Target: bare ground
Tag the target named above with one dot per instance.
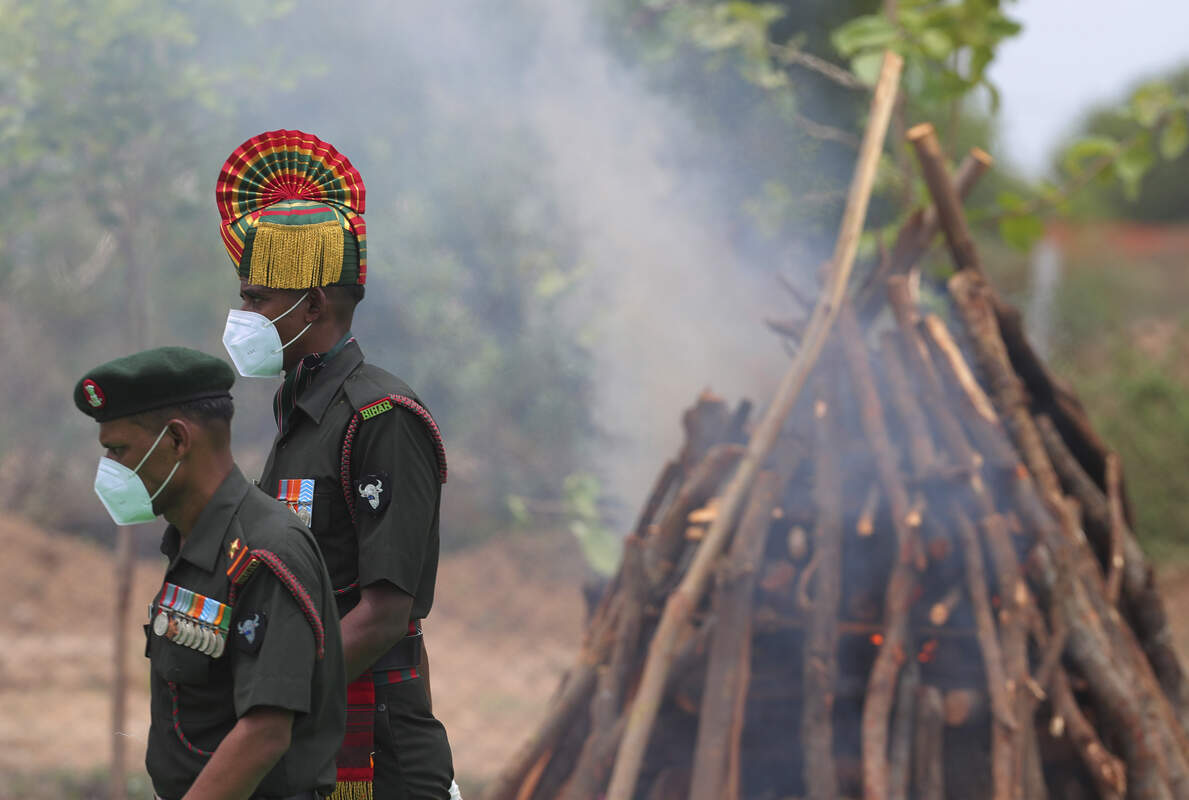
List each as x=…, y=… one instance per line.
x=506, y=622
x=505, y=626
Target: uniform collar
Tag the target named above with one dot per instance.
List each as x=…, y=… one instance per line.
x=317, y=396
x=205, y=542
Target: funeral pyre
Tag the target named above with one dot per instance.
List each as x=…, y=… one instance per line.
x=930, y=589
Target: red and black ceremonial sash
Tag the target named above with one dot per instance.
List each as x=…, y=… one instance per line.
x=354, y=760
x=356, y=767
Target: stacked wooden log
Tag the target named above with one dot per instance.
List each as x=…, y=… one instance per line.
x=930, y=589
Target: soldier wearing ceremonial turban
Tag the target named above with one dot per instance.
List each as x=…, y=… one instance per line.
x=358, y=457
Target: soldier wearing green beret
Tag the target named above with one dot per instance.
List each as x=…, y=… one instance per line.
x=247, y=673
x=357, y=454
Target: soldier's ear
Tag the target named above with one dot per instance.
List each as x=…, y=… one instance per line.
x=180, y=434
x=318, y=305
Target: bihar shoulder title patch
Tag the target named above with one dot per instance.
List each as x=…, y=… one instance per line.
x=375, y=409
x=249, y=631
x=374, y=492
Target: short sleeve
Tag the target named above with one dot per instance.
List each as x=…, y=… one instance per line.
x=394, y=470
x=272, y=639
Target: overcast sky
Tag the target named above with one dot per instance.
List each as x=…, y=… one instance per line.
x=1074, y=53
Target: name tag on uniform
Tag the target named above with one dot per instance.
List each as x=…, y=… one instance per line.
x=298, y=494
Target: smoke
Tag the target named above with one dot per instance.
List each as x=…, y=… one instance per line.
x=666, y=304
x=679, y=311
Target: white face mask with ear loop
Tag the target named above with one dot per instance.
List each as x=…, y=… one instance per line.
x=253, y=343
x=123, y=493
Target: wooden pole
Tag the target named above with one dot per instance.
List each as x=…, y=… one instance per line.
x=916, y=235
x=125, y=568
x=928, y=746
x=949, y=206
x=730, y=645
x=820, y=651
x=683, y=600
x=881, y=683
x=1141, y=599
x=1003, y=721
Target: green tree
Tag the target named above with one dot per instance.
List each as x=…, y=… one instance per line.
x=1153, y=128
x=115, y=117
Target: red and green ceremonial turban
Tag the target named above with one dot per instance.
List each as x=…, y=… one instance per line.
x=291, y=208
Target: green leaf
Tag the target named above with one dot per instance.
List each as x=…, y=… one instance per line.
x=1149, y=102
x=757, y=13
x=980, y=57
x=1133, y=163
x=936, y=44
x=1174, y=137
x=1087, y=148
x=863, y=33
x=600, y=546
x=867, y=66
x=1021, y=232
x=517, y=509
x=1012, y=202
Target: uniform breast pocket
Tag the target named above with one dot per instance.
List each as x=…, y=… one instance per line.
x=335, y=534
x=179, y=664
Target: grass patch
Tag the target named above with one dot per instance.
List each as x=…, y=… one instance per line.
x=1122, y=343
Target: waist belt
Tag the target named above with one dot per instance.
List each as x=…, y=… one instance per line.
x=404, y=657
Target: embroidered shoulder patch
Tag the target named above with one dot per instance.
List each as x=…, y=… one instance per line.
x=250, y=632
x=375, y=409
x=375, y=489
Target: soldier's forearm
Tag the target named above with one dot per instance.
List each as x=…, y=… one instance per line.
x=379, y=621
x=244, y=757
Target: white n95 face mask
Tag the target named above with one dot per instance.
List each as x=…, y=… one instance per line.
x=123, y=493
x=253, y=343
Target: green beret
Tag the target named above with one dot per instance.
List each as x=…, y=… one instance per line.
x=152, y=379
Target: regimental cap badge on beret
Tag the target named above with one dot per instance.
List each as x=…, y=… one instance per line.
x=94, y=395
x=291, y=208
x=151, y=379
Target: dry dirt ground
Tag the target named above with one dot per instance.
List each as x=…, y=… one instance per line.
x=505, y=625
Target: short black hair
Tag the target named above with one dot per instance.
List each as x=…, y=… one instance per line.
x=204, y=412
x=348, y=296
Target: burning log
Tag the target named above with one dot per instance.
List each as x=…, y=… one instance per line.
x=865, y=525
x=939, y=612
x=631, y=751
x=820, y=658
x=665, y=542
x=970, y=610
x=720, y=721
x=1003, y=752
x=928, y=750
x=903, y=719
x=1141, y=600
x=1107, y=771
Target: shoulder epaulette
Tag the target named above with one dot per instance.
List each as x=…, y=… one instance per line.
x=245, y=564
x=385, y=404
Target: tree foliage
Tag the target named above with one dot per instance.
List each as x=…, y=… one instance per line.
x=1134, y=157
x=116, y=115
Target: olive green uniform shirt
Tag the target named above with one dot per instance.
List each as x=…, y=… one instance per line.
x=395, y=479
x=280, y=618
